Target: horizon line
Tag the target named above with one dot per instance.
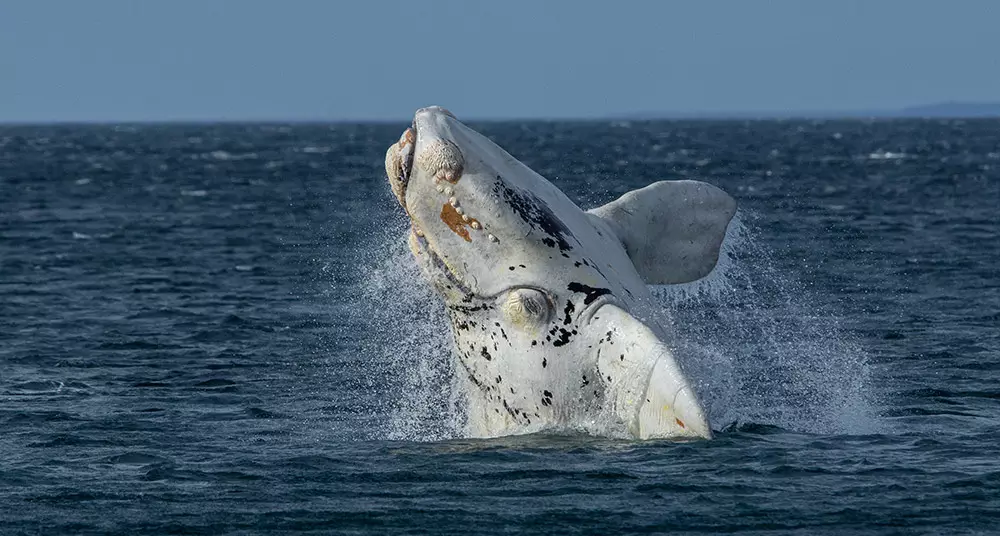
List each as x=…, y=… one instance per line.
x=941, y=110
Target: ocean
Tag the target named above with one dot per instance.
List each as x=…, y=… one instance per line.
x=217, y=329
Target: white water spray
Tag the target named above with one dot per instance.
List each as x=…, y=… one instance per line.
x=760, y=351
x=408, y=348
x=747, y=336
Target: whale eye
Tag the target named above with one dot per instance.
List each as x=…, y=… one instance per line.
x=526, y=307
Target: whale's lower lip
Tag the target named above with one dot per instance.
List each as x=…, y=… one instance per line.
x=407, y=150
x=442, y=268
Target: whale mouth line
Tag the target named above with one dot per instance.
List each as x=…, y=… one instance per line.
x=438, y=264
x=408, y=147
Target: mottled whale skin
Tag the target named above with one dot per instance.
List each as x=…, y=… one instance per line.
x=542, y=296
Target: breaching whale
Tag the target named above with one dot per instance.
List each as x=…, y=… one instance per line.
x=542, y=296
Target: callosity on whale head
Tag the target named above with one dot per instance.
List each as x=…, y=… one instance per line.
x=541, y=294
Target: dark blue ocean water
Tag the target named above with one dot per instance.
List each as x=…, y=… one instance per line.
x=216, y=329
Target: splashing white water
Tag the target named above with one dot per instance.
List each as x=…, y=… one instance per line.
x=760, y=351
x=409, y=349
x=747, y=335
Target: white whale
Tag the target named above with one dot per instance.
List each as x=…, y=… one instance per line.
x=542, y=295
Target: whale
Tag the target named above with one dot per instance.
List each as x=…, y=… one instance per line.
x=545, y=300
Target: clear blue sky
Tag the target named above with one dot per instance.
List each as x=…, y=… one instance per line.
x=121, y=60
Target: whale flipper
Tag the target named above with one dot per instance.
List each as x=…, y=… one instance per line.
x=648, y=390
x=672, y=230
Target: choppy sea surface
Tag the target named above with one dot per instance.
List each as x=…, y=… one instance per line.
x=217, y=329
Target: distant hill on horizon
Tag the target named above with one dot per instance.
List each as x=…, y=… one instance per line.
x=952, y=109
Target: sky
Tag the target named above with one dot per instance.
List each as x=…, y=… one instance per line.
x=130, y=60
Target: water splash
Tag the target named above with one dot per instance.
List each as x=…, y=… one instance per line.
x=408, y=348
x=750, y=339
x=761, y=351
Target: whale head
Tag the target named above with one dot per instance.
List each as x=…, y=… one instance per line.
x=540, y=293
x=482, y=221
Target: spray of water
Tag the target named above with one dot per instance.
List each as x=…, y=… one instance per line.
x=760, y=351
x=407, y=348
x=747, y=335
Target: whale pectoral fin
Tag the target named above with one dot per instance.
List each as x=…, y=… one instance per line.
x=672, y=230
x=643, y=382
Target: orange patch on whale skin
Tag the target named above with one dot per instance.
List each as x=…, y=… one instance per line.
x=407, y=137
x=681, y=423
x=454, y=221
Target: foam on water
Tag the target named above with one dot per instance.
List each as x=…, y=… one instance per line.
x=748, y=336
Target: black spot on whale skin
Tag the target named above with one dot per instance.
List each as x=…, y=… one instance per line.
x=466, y=310
x=535, y=213
x=563, y=337
x=592, y=292
x=485, y=353
x=569, y=310
x=511, y=411
x=472, y=377
x=545, y=362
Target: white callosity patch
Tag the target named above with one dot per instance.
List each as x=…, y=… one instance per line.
x=441, y=159
x=526, y=309
x=399, y=162
x=538, y=291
